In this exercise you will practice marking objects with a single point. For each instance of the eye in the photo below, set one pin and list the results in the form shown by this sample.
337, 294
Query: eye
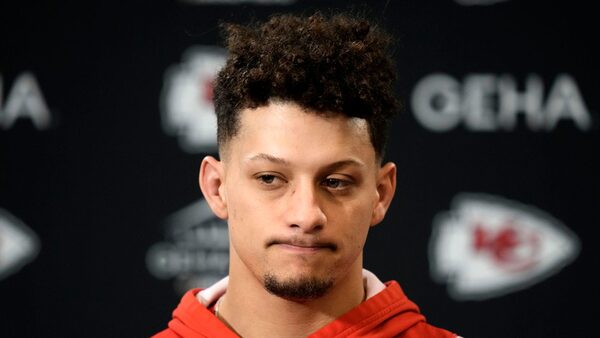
336, 183
270, 180
267, 179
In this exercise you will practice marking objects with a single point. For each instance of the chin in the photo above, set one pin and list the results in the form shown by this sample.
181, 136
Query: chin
299, 287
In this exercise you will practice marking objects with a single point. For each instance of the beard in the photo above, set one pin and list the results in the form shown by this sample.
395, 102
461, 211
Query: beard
303, 288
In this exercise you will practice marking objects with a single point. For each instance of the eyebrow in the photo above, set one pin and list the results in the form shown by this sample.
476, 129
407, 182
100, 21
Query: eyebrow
269, 158
281, 161
344, 163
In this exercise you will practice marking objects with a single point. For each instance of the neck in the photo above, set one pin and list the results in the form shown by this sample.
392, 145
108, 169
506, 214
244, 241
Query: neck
251, 311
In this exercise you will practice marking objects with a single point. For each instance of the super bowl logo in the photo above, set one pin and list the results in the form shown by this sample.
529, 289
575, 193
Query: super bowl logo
488, 246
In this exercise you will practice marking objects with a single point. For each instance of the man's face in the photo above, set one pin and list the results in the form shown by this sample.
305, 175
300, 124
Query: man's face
300, 190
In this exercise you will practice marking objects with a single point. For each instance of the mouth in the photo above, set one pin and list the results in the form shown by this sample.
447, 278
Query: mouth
302, 246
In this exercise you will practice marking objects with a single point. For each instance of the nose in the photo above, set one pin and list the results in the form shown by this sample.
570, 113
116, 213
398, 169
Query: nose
304, 208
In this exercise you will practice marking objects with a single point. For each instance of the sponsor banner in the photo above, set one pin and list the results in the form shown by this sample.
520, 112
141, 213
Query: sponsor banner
19, 245
488, 246
195, 252
489, 102
187, 99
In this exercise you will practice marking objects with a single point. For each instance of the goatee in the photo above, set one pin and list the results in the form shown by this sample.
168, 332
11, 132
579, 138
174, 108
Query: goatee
303, 288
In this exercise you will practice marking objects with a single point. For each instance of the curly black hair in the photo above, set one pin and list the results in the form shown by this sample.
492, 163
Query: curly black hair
327, 64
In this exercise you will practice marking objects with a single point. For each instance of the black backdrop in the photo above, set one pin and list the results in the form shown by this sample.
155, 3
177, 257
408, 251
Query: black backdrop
96, 184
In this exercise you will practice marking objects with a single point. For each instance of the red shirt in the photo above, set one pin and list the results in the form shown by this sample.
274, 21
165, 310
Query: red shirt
388, 313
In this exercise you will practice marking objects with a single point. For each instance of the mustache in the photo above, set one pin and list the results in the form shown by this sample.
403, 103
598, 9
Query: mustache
305, 242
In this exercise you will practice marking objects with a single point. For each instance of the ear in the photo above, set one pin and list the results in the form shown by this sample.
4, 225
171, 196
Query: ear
386, 187
211, 179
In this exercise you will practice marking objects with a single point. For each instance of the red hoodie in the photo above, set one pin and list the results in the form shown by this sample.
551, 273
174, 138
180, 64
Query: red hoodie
387, 312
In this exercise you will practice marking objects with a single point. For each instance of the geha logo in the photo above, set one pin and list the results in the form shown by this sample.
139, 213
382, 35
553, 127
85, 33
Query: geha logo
18, 244
487, 246
195, 251
186, 100
25, 101
487, 103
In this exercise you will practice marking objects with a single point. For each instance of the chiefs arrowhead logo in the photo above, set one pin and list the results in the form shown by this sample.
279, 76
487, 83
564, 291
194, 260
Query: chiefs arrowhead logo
487, 246
187, 99
18, 244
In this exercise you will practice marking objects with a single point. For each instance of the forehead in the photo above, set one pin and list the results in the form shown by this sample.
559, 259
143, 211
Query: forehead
286, 130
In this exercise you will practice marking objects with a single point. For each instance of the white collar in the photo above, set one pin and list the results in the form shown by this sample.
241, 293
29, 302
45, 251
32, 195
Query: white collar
211, 294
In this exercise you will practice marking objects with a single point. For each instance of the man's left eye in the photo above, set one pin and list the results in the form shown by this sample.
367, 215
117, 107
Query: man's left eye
335, 183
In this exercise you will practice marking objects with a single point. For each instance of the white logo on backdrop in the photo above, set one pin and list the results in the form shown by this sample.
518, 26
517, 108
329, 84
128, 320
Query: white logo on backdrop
487, 247
24, 100
195, 251
186, 100
487, 102
18, 244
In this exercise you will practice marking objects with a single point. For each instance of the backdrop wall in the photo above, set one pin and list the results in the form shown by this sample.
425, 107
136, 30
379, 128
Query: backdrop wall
105, 115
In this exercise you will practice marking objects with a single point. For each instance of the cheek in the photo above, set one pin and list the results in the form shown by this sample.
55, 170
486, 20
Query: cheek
245, 209
356, 224
248, 214
239, 201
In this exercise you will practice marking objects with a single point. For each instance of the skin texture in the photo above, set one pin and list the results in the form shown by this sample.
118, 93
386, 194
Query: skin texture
299, 191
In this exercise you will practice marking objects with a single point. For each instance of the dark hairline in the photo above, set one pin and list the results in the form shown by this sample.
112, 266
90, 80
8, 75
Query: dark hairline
225, 143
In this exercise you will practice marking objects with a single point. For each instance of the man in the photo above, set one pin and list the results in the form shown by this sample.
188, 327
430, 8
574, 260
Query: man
303, 105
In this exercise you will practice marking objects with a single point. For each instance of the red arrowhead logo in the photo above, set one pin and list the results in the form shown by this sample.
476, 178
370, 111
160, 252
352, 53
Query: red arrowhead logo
488, 246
